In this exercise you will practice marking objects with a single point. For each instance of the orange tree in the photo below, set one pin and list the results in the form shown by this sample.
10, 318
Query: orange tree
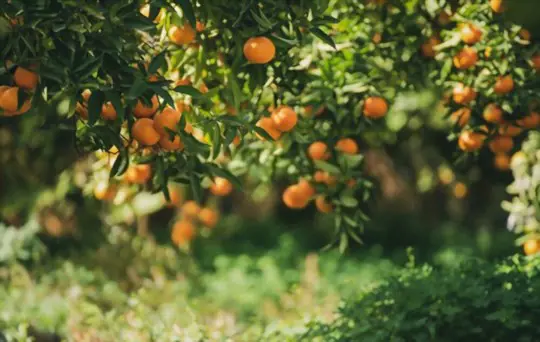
207, 93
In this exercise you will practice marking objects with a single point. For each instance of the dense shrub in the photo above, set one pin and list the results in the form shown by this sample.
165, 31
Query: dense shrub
473, 302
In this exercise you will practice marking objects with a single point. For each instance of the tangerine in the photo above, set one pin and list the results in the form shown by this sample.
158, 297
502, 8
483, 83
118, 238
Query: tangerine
259, 50
144, 132
284, 118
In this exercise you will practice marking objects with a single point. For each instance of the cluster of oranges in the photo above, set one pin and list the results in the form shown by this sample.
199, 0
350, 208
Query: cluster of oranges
298, 196
497, 133
138, 174
25, 80
283, 119
191, 214
183, 230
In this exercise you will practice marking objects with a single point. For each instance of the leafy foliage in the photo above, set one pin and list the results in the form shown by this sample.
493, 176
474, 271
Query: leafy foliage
474, 300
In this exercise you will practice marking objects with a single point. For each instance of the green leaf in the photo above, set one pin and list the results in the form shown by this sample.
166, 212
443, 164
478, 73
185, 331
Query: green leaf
95, 104
157, 62
348, 201
137, 89
164, 94
325, 166
224, 173
353, 160
196, 189
166, 193
323, 36
343, 242
160, 176
355, 236
262, 20
189, 90
89, 67
231, 120
187, 10
216, 140
263, 133
120, 164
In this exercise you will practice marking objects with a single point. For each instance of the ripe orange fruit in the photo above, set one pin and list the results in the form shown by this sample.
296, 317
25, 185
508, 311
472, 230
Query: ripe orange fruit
167, 119
324, 177
318, 151
108, 112
461, 116
183, 82
503, 85
493, 113
190, 210
470, 141
203, 88
351, 183
175, 196
375, 107
428, 48
221, 187
377, 38
9, 100
466, 58
81, 110
535, 60
86, 95
531, 247
323, 205
510, 130
347, 146
103, 191
168, 144
183, 232
267, 124
182, 106
208, 217
501, 162
138, 174
306, 188
199, 26
259, 50
530, 121
497, 6
141, 110
3, 88
144, 132
470, 34
501, 144
24, 108
182, 35
294, 198
463, 94
284, 118
236, 141
460, 190
25, 78
320, 176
